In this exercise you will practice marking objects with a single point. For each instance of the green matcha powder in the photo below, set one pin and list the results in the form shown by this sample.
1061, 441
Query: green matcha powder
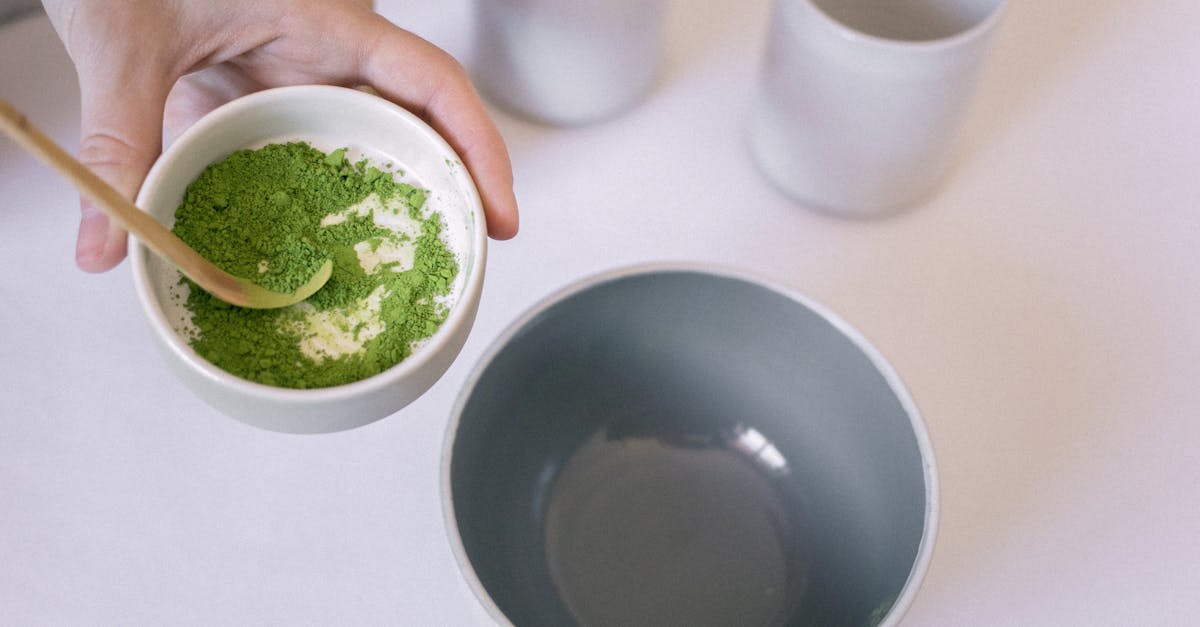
274, 215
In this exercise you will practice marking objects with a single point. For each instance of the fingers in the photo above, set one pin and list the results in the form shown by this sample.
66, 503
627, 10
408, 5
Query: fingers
198, 93
424, 79
121, 136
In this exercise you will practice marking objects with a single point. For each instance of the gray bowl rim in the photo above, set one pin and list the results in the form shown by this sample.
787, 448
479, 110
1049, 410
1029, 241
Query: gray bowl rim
925, 549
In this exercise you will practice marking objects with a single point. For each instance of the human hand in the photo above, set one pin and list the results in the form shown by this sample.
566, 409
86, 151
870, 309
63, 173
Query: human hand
132, 54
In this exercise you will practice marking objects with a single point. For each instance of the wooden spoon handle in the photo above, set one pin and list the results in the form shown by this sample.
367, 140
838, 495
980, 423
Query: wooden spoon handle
154, 235
93, 187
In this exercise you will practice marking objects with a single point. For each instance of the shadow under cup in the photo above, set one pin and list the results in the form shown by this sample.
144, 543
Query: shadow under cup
677, 447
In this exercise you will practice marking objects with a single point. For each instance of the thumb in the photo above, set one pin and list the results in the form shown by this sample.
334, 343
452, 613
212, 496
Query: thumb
120, 137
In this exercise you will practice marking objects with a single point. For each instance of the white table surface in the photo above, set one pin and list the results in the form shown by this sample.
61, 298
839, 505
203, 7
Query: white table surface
1043, 310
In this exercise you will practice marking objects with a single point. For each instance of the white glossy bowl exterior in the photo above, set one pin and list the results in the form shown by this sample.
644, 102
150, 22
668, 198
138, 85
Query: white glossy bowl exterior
328, 118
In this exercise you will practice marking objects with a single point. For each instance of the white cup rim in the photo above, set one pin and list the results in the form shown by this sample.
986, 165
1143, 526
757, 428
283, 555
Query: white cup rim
976, 31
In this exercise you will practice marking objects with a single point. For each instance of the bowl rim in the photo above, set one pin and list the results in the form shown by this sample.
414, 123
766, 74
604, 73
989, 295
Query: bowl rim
924, 444
312, 95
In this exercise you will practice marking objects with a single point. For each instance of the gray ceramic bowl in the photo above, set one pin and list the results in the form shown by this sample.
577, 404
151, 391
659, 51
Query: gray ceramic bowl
684, 446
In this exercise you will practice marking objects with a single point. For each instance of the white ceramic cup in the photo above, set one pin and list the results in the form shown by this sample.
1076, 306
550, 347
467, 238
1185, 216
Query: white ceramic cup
568, 62
860, 101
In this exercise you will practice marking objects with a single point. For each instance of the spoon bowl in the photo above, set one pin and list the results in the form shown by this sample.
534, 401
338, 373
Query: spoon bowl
255, 296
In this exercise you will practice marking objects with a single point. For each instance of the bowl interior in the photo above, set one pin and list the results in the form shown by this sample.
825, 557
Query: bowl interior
681, 447
328, 118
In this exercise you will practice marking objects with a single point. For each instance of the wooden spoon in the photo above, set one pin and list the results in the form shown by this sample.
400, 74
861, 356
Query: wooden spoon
219, 283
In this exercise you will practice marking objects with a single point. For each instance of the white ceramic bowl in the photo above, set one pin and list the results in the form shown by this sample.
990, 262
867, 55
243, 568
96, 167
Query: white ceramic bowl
328, 118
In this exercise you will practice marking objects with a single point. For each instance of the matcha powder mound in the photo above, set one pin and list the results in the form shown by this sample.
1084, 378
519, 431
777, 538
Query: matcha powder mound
274, 215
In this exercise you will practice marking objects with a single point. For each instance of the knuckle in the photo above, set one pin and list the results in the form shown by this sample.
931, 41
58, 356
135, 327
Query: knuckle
102, 148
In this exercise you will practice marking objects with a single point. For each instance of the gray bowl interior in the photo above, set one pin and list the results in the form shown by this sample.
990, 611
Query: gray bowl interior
686, 448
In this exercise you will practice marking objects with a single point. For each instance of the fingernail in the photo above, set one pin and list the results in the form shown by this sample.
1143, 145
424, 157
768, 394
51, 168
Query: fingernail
93, 236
